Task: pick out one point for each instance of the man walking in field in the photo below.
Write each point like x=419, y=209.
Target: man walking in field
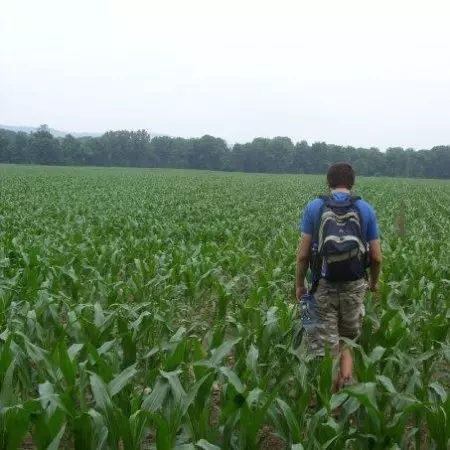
x=340, y=239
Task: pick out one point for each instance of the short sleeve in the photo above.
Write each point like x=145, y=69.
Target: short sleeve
x=307, y=222
x=373, y=231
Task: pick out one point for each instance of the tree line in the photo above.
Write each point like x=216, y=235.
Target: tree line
x=277, y=155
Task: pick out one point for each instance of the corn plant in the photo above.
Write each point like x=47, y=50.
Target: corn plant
x=156, y=309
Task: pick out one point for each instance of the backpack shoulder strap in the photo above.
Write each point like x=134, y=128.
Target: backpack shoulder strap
x=326, y=199
x=315, y=263
x=353, y=200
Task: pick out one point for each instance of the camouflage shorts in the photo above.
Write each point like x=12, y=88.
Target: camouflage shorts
x=340, y=310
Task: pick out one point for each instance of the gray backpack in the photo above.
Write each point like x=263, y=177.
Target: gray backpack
x=340, y=251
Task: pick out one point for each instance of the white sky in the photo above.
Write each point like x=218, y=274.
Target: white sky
x=363, y=73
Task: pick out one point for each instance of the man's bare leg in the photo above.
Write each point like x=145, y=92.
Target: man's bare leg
x=346, y=368
x=346, y=363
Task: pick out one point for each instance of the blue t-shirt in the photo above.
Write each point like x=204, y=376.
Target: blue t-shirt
x=311, y=216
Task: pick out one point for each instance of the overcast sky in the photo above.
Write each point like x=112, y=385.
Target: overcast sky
x=363, y=73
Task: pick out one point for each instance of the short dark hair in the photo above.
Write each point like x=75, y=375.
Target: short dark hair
x=341, y=175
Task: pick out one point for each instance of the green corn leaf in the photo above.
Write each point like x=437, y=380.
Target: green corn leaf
x=337, y=400
x=66, y=364
x=54, y=445
x=192, y=394
x=121, y=380
x=99, y=316
x=254, y=396
x=325, y=379
x=386, y=383
x=138, y=423
x=252, y=359
x=365, y=394
x=106, y=347
x=83, y=432
x=6, y=354
x=205, y=445
x=49, y=399
x=440, y=391
x=152, y=352
x=223, y=350
x=177, y=337
x=100, y=392
x=74, y=350
x=16, y=423
x=377, y=354
x=291, y=421
x=175, y=386
x=163, y=434
x=104, y=369
x=387, y=317
x=7, y=397
x=331, y=441
x=35, y=353
x=158, y=396
x=100, y=428
x=233, y=379
x=127, y=342
x=177, y=356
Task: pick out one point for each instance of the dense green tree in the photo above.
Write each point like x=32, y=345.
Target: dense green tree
x=71, y=151
x=19, y=148
x=395, y=162
x=5, y=145
x=140, y=152
x=259, y=153
x=163, y=152
x=442, y=155
x=278, y=155
x=300, y=157
x=94, y=152
x=207, y=152
x=281, y=154
x=239, y=158
x=13, y=147
x=43, y=148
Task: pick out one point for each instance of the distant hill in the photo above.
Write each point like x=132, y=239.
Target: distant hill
x=56, y=133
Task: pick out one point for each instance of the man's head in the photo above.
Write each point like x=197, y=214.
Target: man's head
x=341, y=175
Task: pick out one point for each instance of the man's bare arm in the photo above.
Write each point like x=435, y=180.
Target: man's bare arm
x=375, y=263
x=303, y=253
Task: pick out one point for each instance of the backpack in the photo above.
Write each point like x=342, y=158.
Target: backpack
x=340, y=251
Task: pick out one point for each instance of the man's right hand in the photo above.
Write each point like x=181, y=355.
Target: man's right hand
x=301, y=291
x=373, y=287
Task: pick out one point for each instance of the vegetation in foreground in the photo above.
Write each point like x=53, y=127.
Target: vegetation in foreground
x=148, y=309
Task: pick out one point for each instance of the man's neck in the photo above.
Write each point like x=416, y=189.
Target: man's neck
x=340, y=190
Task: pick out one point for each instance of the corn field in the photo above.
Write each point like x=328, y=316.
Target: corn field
x=156, y=309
